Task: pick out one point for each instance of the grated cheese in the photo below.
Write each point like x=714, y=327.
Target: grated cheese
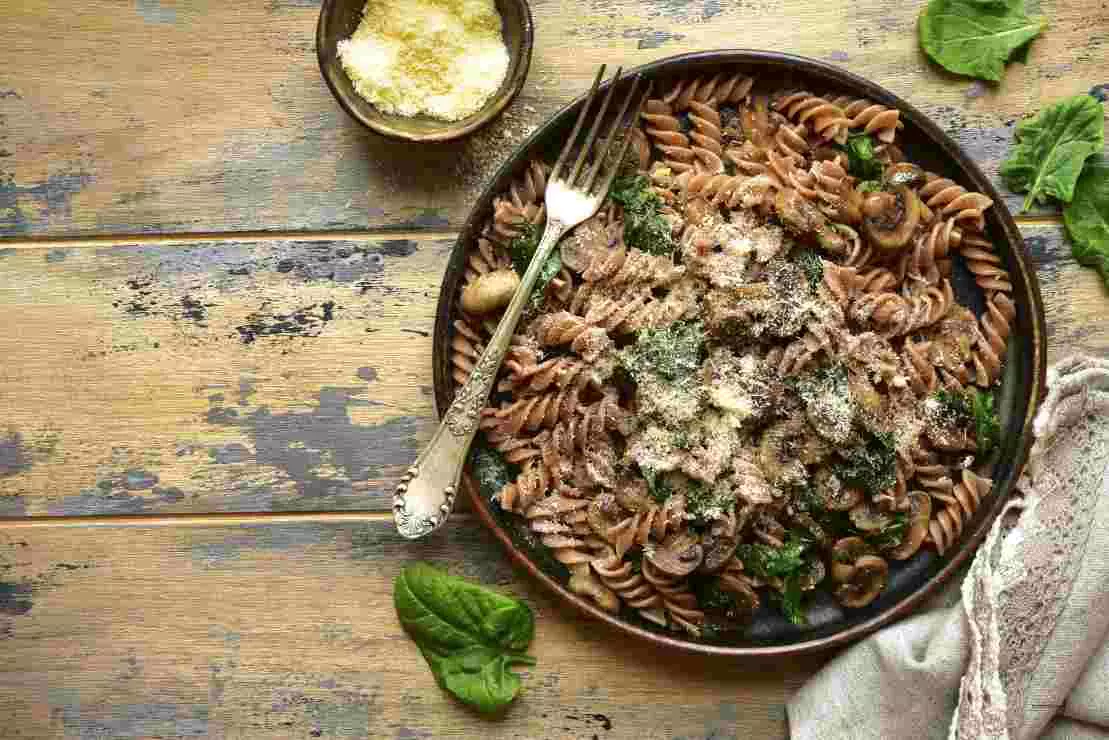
x=440, y=58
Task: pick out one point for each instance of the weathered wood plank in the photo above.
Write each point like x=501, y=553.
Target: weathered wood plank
x=213, y=376
x=212, y=116
x=289, y=631
x=261, y=376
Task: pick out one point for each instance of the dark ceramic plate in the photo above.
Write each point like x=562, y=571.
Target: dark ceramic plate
x=338, y=20
x=1021, y=387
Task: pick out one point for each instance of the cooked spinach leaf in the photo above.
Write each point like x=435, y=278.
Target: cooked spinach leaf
x=790, y=600
x=987, y=425
x=644, y=227
x=812, y=265
x=469, y=635
x=522, y=248
x=872, y=466
x=1087, y=219
x=490, y=470
x=862, y=161
x=1051, y=148
x=671, y=353
x=765, y=561
x=976, y=38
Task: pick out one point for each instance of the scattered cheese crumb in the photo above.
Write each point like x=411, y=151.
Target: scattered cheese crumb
x=441, y=58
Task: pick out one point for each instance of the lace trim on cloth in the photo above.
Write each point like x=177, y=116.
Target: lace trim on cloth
x=1019, y=582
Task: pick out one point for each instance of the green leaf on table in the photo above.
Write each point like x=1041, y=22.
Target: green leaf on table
x=469, y=635
x=1051, y=148
x=1087, y=219
x=976, y=38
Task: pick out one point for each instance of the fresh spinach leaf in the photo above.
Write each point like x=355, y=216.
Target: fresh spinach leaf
x=469, y=635
x=1051, y=148
x=1087, y=219
x=644, y=227
x=862, y=162
x=975, y=38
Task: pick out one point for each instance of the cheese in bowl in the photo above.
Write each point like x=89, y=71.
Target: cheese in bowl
x=439, y=58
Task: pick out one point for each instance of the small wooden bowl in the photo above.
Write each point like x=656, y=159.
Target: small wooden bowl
x=340, y=18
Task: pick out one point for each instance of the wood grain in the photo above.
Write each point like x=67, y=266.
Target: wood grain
x=289, y=631
x=212, y=116
x=266, y=375
x=214, y=376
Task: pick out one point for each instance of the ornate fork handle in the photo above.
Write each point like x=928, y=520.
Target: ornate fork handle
x=425, y=497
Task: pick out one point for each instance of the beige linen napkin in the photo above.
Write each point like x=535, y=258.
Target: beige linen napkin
x=1025, y=651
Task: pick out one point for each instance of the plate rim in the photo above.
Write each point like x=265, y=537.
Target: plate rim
x=1023, y=274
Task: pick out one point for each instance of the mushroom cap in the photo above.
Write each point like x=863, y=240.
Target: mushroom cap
x=867, y=581
x=890, y=218
x=678, y=555
x=904, y=173
x=845, y=553
x=490, y=291
x=920, y=512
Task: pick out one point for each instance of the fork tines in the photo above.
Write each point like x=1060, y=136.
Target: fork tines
x=578, y=180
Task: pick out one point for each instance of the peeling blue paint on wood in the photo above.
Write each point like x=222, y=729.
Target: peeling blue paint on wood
x=153, y=11
x=14, y=456
x=651, y=39
x=57, y=255
x=53, y=197
x=225, y=548
x=302, y=443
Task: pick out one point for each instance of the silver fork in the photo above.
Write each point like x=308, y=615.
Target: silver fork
x=425, y=497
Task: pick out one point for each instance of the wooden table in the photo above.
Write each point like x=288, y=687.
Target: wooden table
x=216, y=293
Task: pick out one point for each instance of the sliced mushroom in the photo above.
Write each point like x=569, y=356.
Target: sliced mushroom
x=890, y=218
x=490, y=291
x=904, y=173
x=867, y=581
x=584, y=583
x=833, y=492
x=845, y=553
x=678, y=555
x=920, y=512
x=747, y=599
x=866, y=517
